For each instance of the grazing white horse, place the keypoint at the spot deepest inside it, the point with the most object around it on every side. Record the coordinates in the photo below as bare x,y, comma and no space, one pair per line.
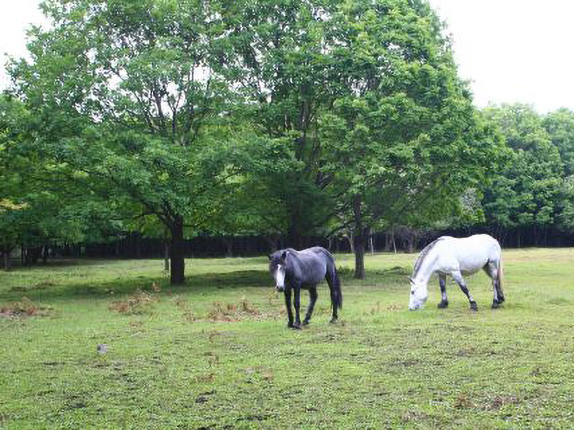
457,257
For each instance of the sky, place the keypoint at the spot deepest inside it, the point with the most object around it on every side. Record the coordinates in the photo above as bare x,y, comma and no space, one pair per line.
514,50
509,50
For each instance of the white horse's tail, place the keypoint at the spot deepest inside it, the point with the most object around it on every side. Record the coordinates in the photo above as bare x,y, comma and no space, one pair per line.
499,275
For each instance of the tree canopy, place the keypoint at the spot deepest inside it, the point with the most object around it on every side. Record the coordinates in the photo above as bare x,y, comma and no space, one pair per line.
278,119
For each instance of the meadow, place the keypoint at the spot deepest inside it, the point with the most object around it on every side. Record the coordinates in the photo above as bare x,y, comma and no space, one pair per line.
109,344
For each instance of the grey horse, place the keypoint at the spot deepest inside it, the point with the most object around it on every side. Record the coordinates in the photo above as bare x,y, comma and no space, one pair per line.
295,270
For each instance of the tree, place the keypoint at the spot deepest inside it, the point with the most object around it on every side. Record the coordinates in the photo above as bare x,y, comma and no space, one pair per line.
41,205
560,127
526,193
281,59
132,95
402,140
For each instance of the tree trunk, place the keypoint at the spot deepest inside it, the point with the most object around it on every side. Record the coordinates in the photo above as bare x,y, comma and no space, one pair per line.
228,242
166,256
388,243
295,237
229,247
411,243
6,260
32,255
177,257
359,256
351,241
360,239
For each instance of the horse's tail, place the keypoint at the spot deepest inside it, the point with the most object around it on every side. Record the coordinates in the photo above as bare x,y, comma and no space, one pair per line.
499,275
334,282
336,288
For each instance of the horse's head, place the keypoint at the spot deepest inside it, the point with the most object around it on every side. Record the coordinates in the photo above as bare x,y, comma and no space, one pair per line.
277,268
419,295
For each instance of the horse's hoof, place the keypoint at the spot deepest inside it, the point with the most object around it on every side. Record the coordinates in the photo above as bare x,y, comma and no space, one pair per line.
333,321
443,304
296,327
473,306
496,304
306,322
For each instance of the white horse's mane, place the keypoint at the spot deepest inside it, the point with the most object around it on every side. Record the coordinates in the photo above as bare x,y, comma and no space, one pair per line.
426,250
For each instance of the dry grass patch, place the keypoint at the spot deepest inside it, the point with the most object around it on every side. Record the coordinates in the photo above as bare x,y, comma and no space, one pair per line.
138,303
234,312
23,308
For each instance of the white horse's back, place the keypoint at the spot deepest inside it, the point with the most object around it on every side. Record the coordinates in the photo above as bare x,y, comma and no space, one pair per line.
467,255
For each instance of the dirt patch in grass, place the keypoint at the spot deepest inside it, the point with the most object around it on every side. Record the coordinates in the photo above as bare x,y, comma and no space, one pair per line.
258,372
138,303
185,308
379,308
499,401
413,416
236,311
23,308
463,402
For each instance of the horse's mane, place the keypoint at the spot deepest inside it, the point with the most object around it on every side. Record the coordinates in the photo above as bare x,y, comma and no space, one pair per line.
424,253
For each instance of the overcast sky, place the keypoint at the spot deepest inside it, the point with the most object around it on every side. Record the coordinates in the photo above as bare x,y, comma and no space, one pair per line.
510,50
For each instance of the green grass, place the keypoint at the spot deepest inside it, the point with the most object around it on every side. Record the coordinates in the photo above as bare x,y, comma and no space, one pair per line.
217,354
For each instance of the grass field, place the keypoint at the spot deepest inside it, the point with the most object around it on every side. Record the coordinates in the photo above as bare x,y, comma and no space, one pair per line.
217,354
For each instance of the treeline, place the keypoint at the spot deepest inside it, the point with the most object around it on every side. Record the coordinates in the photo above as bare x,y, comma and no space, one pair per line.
281,120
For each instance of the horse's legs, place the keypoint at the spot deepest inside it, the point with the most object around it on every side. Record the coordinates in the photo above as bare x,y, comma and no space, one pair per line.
498,286
457,276
297,304
313,296
288,306
492,270
444,300
334,305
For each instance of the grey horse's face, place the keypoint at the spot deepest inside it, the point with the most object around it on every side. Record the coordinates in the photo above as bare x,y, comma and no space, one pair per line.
419,295
277,267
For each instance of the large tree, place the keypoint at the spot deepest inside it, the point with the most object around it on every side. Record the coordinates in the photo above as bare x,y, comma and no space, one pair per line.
340,110
133,96
280,58
402,142
560,127
42,203
526,193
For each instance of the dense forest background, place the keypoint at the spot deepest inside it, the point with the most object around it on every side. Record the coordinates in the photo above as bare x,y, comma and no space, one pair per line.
188,128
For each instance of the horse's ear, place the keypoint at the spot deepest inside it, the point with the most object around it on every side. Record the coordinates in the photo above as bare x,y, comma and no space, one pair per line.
284,255
411,279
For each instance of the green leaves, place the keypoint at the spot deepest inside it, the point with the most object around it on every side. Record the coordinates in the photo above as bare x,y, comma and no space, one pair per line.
526,191
269,117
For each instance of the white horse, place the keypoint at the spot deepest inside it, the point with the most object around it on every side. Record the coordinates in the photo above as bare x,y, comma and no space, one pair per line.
457,257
